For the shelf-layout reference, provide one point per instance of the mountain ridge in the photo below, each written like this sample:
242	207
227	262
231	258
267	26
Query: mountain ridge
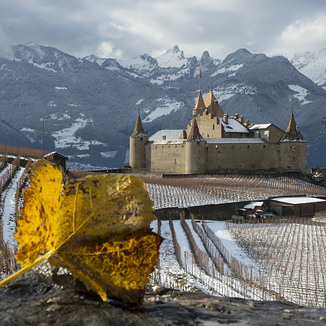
90	104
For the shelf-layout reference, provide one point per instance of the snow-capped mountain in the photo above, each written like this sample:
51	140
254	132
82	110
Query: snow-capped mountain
90	105
173	58
313	65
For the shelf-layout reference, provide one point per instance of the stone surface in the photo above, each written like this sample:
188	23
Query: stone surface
33	300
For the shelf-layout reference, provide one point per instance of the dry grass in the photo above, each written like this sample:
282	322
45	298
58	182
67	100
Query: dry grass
22	151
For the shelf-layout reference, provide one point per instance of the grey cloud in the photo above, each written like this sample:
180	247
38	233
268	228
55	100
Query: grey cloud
130	28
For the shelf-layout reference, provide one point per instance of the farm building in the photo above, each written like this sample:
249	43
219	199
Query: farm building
297	206
57	158
253	207
214	142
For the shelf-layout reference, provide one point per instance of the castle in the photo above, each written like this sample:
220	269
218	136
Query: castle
215	142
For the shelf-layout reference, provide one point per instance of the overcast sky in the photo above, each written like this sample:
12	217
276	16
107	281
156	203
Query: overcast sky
128	28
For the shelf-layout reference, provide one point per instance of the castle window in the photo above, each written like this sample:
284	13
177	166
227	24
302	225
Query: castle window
207	135
141	138
264	146
248	146
213	127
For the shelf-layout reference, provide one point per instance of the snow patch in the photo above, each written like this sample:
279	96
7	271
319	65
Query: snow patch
227	69
301	93
156	81
110	154
27	130
45	66
66	138
226	92
51	104
166	107
55	116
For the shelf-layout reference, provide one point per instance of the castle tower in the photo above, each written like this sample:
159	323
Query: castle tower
199	106
138	140
196	155
212	105
293	148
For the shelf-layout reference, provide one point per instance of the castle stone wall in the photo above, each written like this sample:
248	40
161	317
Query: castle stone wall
241	157
199	157
167	158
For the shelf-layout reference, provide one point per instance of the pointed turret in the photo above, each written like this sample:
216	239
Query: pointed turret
138	140
139	130
212	105
292	132
194	134
200	105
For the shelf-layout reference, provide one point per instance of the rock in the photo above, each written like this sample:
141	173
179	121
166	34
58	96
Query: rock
33	300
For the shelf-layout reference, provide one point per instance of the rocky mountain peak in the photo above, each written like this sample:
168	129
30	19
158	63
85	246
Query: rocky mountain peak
44	57
312	64
206	58
172	58
31	52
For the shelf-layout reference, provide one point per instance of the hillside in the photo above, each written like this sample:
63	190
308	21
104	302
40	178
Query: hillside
90	105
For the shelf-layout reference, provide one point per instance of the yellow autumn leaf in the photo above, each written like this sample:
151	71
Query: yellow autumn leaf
96	227
120	268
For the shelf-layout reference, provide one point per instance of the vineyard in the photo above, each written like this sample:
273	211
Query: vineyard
205	190
280	260
12	178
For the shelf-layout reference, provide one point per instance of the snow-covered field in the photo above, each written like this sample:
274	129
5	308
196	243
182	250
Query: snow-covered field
292	254
187	192
7	210
279	261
